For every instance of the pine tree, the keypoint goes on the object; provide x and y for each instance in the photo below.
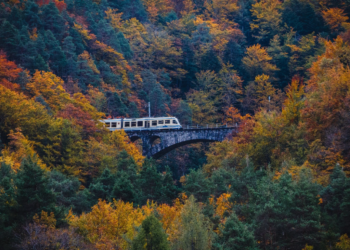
(149, 175)
(102, 186)
(345, 209)
(58, 61)
(236, 236)
(33, 194)
(31, 15)
(115, 105)
(151, 237)
(52, 20)
(7, 203)
(9, 40)
(195, 231)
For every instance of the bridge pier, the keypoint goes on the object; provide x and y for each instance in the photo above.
(171, 139)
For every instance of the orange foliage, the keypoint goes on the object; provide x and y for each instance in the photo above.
(109, 224)
(335, 18)
(8, 73)
(61, 5)
(42, 2)
(232, 116)
(79, 117)
(18, 149)
(222, 206)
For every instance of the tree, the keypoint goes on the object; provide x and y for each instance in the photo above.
(195, 231)
(33, 194)
(235, 235)
(9, 72)
(266, 19)
(257, 62)
(7, 204)
(151, 236)
(336, 19)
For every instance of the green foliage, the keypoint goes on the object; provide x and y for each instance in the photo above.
(33, 194)
(151, 236)
(195, 232)
(235, 235)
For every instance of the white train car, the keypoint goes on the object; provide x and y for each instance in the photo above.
(149, 123)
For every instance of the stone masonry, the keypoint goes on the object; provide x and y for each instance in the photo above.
(171, 139)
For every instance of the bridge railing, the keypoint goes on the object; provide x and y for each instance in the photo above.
(207, 126)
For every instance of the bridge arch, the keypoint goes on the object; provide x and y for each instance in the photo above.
(134, 138)
(171, 139)
(153, 138)
(159, 151)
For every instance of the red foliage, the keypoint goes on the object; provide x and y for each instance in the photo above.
(61, 5)
(8, 72)
(42, 2)
(78, 117)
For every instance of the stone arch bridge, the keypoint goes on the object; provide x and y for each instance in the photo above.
(171, 139)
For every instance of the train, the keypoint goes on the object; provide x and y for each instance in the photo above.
(149, 123)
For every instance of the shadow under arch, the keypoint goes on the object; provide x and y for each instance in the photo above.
(155, 140)
(158, 152)
(134, 138)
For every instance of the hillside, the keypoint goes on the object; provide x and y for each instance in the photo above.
(277, 69)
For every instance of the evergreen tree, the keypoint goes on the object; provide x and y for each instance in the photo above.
(236, 236)
(102, 186)
(9, 40)
(52, 20)
(195, 231)
(33, 194)
(68, 195)
(149, 174)
(77, 40)
(209, 61)
(151, 237)
(130, 8)
(16, 18)
(126, 178)
(31, 15)
(57, 61)
(298, 14)
(198, 185)
(7, 204)
(345, 210)
(124, 46)
(115, 105)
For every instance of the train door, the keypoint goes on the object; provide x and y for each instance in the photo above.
(146, 124)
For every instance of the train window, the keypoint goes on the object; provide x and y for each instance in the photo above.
(126, 124)
(154, 123)
(174, 122)
(160, 122)
(140, 123)
(133, 124)
(108, 124)
(114, 124)
(167, 121)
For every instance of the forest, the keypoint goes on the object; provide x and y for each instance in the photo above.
(278, 69)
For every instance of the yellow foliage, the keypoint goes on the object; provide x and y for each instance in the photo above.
(336, 18)
(86, 57)
(18, 149)
(307, 247)
(114, 18)
(344, 243)
(109, 223)
(120, 140)
(171, 217)
(50, 87)
(222, 205)
(45, 219)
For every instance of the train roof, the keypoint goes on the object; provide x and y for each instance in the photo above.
(148, 118)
